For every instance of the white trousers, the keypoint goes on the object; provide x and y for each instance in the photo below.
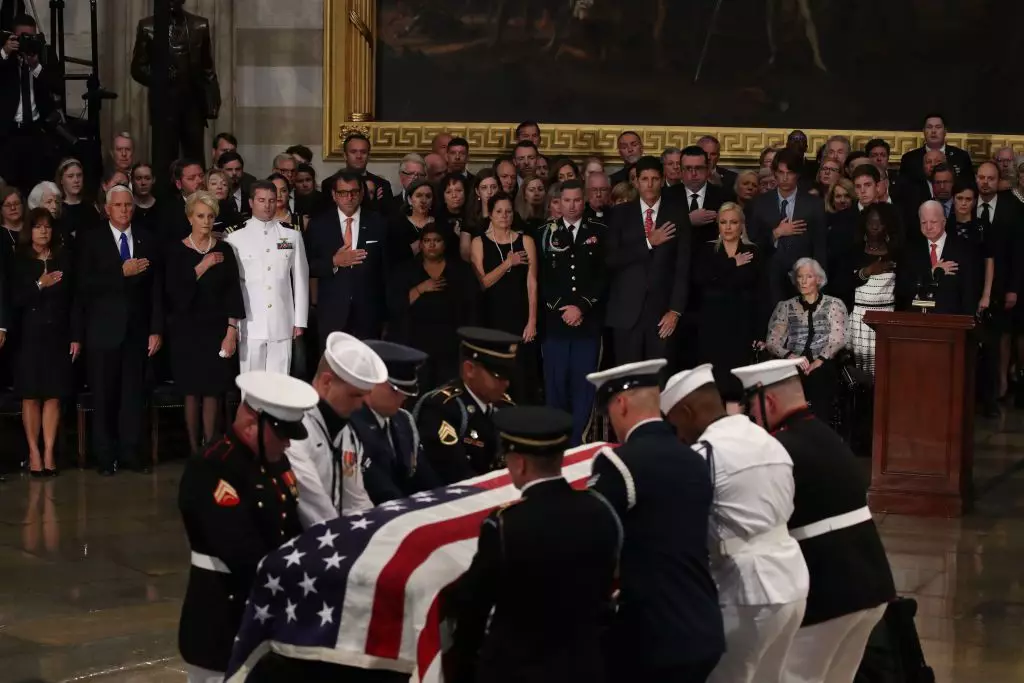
(263, 354)
(830, 652)
(757, 639)
(197, 674)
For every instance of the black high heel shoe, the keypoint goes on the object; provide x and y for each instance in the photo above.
(36, 474)
(51, 473)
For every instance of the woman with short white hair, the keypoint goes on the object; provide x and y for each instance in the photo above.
(810, 326)
(205, 304)
(47, 195)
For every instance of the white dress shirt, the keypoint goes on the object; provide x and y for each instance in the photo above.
(117, 239)
(574, 228)
(701, 193)
(355, 226)
(939, 244)
(654, 215)
(34, 73)
(753, 501)
(484, 407)
(237, 196)
(991, 207)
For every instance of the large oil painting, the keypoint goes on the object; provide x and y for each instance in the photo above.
(827, 64)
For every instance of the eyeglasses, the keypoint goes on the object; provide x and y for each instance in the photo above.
(344, 194)
(413, 174)
(694, 169)
(12, 205)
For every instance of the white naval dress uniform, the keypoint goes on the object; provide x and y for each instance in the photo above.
(759, 568)
(275, 286)
(327, 485)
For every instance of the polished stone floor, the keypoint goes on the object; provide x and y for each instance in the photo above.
(92, 572)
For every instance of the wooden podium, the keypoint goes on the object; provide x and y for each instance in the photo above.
(923, 438)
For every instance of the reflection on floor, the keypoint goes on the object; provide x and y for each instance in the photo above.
(92, 572)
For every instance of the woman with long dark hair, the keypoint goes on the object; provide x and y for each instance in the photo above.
(41, 292)
(452, 209)
(478, 214)
(408, 224)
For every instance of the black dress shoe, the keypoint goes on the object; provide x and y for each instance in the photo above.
(36, 474)
(51, 472)
(107, 471)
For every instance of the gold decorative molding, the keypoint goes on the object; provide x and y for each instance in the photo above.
(349, 106)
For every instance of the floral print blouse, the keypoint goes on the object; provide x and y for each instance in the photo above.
(815, 330)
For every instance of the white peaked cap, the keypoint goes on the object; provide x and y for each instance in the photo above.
(684, 383)
(769, 372)
(354, 362)
(280, 396)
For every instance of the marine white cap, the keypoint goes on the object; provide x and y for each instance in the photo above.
(354, 362)
(624, 377)
(769, 372)
(279, 396)
(682, 384)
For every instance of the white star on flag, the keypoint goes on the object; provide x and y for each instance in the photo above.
(308, 584)
(334, 561)
(294, 557)
(289, 610)
(392, 507)
(289, 544)
(327, 539)
(262, 613)
(361, 524)
(273, 584)
(424, 498)
(456, 491)
(326, 615)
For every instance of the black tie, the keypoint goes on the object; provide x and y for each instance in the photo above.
(393, 438)
(986, 214)
(783, 214)
(693, 202)
(26, 95)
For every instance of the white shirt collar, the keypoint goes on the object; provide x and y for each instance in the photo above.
(700, 194)
(483, 406)
(991, 205)
(644, 206)
(117, 233)
(939, 244)
(354, 217)
(538, 481)
(640, 424)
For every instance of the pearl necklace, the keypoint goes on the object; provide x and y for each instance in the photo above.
(209, 245)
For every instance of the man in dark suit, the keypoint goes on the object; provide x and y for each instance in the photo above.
(788, 224)
(701, 197)
(916, 188)
(233, 165)
(121, 292)
(946, 259)
(223, 143)
(410, 169)
(722, 177)
(573, 287)
(172, 223)
(377, 194)
(878, 150)
(457, 157)
(347, 251)
(648, 253)
(26, 99)
(935, 138)
(631, 149)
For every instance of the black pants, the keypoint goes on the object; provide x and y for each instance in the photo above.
(186, 128)
(118, 380)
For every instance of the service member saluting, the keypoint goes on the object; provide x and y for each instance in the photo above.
(325, 463)
(275, 285)
(668, 626)
(760, 572)
(238, 502)
(545, 564)
(851, 583)
(454, 420)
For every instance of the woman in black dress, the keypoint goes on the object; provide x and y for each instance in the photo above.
(451, 214)
(531, 211)
(75, 211)
(432, 296)
(285, 216)
(147, 209)
(408, 224)
(729, 273)
(228, 218)
(205, 302)
(41, 289)
(505, 262)
(477, 215)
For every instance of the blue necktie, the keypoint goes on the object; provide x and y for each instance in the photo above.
(126, 253)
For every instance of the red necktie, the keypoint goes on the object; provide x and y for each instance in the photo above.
(649, 222)
(348, 232)
(935, 255)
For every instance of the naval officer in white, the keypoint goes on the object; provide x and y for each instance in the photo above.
(275, 285)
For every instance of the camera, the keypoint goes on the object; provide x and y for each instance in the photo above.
(28, 43)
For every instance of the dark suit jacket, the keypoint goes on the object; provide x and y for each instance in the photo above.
(10, 92)
(956, 294)
(1004, 243)
(203, 82)
(765, 217)
(381, 186)
(714, 197)
(118, 309)
(728, 183)
(645, 280)
(620, 176)
(349, 299)
(912, 163)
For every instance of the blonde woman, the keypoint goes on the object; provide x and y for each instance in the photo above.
(731, 293)
(205, 304)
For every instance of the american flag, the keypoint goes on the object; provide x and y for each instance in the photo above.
(362, 590)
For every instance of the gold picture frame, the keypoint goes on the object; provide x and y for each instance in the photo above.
(350, 38)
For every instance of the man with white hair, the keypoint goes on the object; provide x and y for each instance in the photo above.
(122, 152)
(945, 264)
(850, 580)
(1006, 160)
(275, 285)
(121, 293)
(411, 169)
(760, 572)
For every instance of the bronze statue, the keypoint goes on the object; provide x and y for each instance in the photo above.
(194, 93)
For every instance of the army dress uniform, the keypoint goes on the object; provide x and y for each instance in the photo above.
(275, 286)
(573, 274)
(851, 582)
(545, 564)
(455, 426)
(236, 508)
(668, 626)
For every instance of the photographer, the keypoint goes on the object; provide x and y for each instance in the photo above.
(27, 155)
